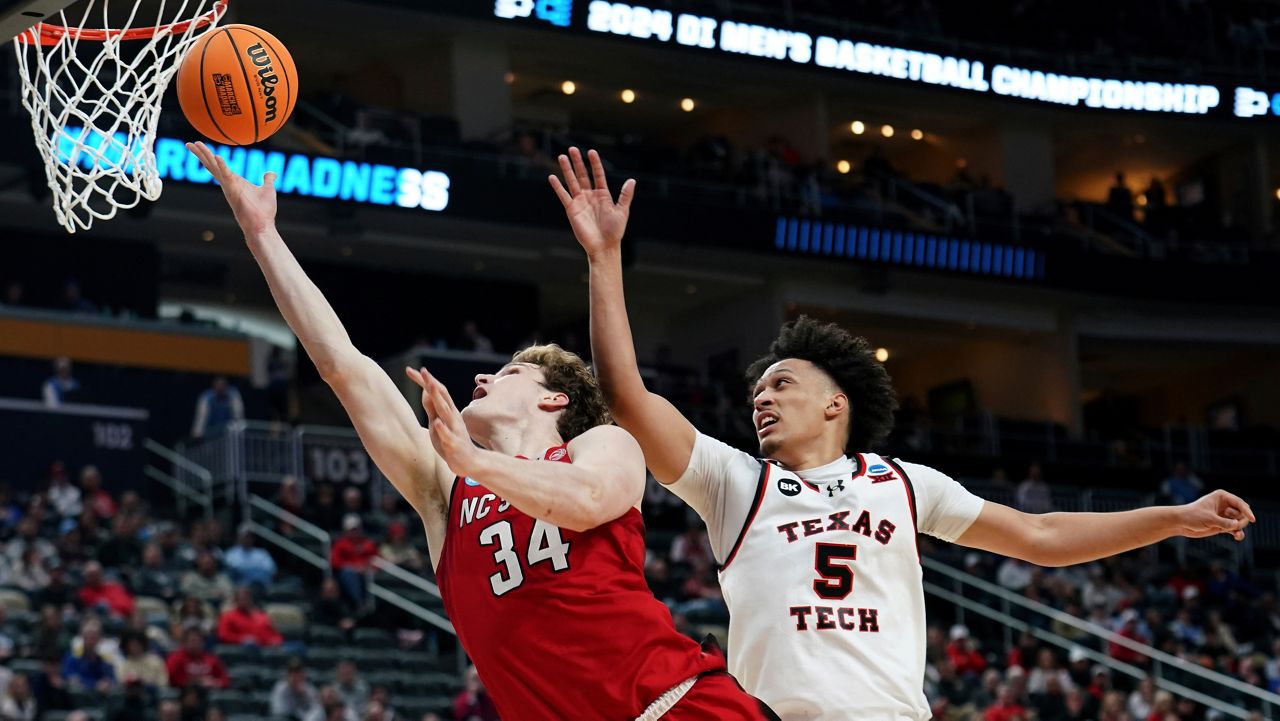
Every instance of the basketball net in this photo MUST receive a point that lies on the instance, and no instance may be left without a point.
(94, 97)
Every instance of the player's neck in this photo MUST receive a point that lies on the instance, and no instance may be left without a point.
(528, 439)
(814, 455)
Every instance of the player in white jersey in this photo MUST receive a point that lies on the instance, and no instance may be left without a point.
(817, 544)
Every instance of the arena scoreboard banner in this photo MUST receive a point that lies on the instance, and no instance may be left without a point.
(108, 437)
(861, 57)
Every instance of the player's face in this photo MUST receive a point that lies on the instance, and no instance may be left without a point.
(790, 403)
(514, 391)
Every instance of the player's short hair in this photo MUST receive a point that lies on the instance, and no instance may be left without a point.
(851, 362)
(565, 372)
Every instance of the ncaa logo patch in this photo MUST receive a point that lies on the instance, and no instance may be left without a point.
(557, 454)
(788, 487)
(470, 481)
(879, 473)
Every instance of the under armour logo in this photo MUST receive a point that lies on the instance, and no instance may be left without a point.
(837, 486)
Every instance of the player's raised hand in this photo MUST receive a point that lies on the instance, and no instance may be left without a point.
(1217, 512)
(448, 431)
(598, 222)
(253, 205)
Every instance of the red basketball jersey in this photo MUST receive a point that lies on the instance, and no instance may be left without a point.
(560, 624)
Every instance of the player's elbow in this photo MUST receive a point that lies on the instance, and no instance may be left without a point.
(1040, 543)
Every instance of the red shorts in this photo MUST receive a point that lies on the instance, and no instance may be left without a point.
(716, 697)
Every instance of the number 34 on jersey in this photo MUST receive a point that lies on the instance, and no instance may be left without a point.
(544, 544)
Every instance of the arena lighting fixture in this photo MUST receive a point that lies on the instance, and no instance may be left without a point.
(843, 167)
(1277, 193)
(857, 127)
(207, 236)
(688, 105)
(882, 354)
(887, 131)
(628, 96)
(1142, 200)
(509, 78)
(917, 134)
(568, 87)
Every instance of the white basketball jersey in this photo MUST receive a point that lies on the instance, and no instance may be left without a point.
(824, 583)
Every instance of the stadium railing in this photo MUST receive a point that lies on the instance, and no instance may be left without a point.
(1013, 612)
(189, 481)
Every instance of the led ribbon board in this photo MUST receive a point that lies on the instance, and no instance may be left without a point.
(297, 174)
(784, 45)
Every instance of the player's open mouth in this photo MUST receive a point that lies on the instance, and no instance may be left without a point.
(764, 422)
(478, 393)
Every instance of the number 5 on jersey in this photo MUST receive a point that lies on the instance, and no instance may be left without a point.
(545, 544)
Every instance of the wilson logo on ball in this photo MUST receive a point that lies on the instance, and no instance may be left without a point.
(267, 77)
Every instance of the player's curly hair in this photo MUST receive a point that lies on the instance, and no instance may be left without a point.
(851, 363)
(565, 372)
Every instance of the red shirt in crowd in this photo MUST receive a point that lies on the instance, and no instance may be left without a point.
(1120, 653)
(102, 503)
(236, 626)
(108, 593)
(355, 554)
(1001, 712)
(474, 706)
(192, 669)
(966, 659)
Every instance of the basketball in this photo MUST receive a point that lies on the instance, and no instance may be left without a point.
(238, 85)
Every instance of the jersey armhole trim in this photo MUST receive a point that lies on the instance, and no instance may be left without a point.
(911, 501)
(755, 508)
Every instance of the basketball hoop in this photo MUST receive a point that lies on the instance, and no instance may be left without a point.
(95, 102)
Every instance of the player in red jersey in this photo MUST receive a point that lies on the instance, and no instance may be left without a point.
(540, 563)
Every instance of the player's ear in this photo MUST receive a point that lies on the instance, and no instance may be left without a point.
(837, 403)
(553, 401)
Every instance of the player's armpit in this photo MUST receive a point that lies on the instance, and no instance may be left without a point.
(664, 434)
(612, 459)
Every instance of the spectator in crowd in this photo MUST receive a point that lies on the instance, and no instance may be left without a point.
(123, 548)
(74, 301)
(29, 537)
(327, 514)
(248, 564)
(294, 697)
(353, 689)
(1033, 494)
(333, 609)
(49, 687)
(1182, 486)
(194, 665)
(245, 623)
(207, 583)
(473, 703)
(963, 656)
(63, 494)
(216, 407)
(93, 495)
(1120, 199)
(331, 707)
(61, 387)
(1129, 628)
(153, 579)
(100, 593)
(170, 709)
(353, 503)
(203, 539)
(1014, 574)
(379, 520)
(1047, 667)
(474, 340)
(1142, 699)
(133, 703)
(351, 556)
(29, 572)
(89, 670)
(1006, 707)
(18, 703)
(397, 549)
(192, 612)
(138, 663)
(691, 545)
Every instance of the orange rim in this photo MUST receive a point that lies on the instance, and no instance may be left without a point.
(47, 34)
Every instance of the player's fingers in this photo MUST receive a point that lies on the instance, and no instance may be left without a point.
(561, 193)
(1238, 505)
(269, 180)
(570, 179)
(580, 168)
(202, 152)
(597, 170)
(627, 194)
(414, 376)
(444, 400)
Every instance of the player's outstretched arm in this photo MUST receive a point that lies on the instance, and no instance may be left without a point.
(605, 479)
(1062, 539)
(664, 434)
(382, 417)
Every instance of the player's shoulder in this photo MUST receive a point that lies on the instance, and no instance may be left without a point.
(603, 438)
(877, 463)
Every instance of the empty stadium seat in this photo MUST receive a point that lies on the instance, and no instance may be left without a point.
(151, 608)
(290, 620)
(326, 636)
(373, 638)
(14, 601)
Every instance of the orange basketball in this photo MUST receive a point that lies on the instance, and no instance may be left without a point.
(237, 85)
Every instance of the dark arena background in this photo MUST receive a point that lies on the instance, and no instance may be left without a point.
(1056, 222)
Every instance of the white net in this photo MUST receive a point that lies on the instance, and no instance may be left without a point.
(94, 97)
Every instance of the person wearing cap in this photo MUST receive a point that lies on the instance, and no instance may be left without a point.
(248, 564)
(964, 657)
(350, 558)
(293, 696)
(1131, 629)
(245, 623)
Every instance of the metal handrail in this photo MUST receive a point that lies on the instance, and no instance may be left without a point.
(289, 545)
(302, 524)
(1103, 633)
(408, 577)
(183, 491)
(1094, 656)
